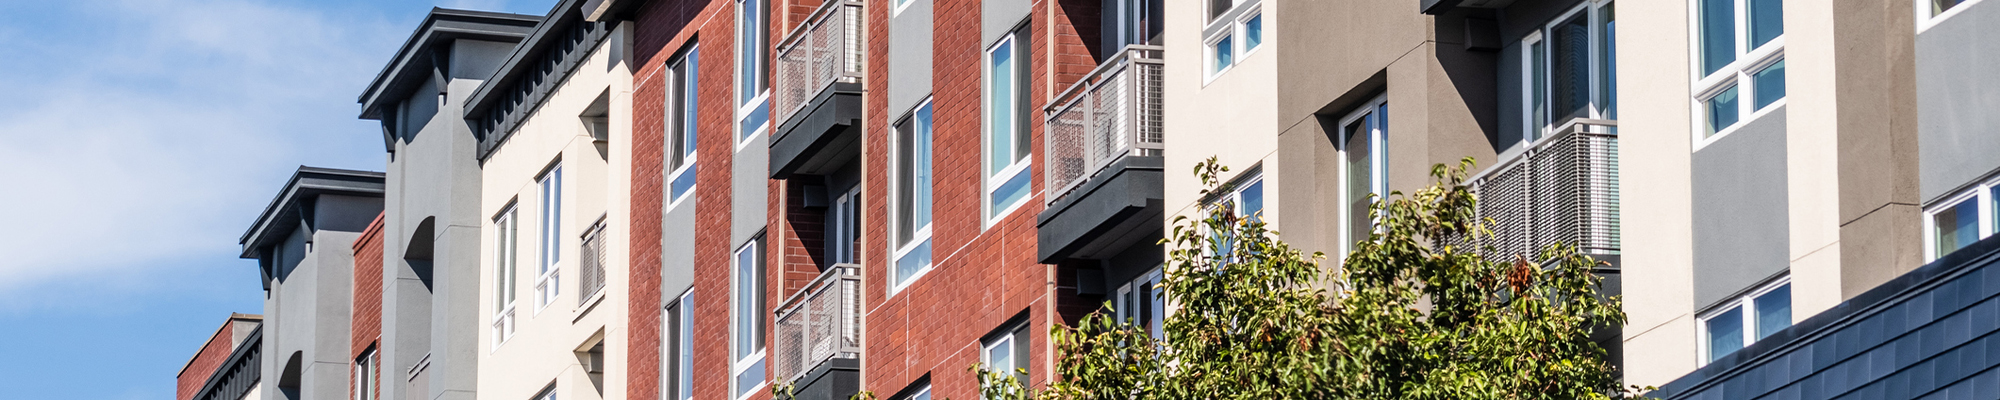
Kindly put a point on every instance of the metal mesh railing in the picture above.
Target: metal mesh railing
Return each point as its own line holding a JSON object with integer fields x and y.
{"x": 592, "y": 264}
{"x": 823, "y": 50}
{"x": 1563, "y": 189}
{"x": 821, "y": 322}
{"x": 1113, "y": 112}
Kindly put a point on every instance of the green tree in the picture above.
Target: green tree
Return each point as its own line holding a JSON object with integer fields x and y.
{"x": 1402, "y": 319}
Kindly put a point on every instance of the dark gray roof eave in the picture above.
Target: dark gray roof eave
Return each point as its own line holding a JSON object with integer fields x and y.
{"x": 481, "y": 25}
{"x": 308, "y": 182}
{"x": 511, "y": 70}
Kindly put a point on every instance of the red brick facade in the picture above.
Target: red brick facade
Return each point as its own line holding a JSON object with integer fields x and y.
{"x": 366, "y": 328}
{"x": 211, "y": 356}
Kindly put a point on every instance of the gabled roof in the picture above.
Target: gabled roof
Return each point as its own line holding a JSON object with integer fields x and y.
{"x": 413, "y": 63}
{"x": 285, "y": 212}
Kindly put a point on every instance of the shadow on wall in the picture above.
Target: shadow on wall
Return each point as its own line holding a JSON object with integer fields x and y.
{"x": 418, "y": 253}
{"x": 288, "y": 381}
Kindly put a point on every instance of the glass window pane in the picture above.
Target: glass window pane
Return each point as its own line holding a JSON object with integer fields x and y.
{"x": 687, "y": 347}
{"x": 1954, "y": 228}
{"x": 690, "y": 88}
{"x": 913, "y": 262}
{"x": 905, "y": 181}
{"x": 923, "y": 162}
{"x": 1360, "y": 171}
{"x": 1569, "y": 77}
{"x": 1217, "y": 7}
{"x": 748, "y": 380}
{"x": 1223, "y": 53}
{"x": 1725, "y": 333}
{"x": 999, "y": 107}
{"x": 1011, "y": 192}
{"x": 1767, "y": 21}
{"x": 1939, "y": 6}
{"x": 749, "y": 49}
{"x": 1253, "y": 32}
{"x": 1774, "y": 311}
{"x": 1770, "y": 84}
{"x": 1000, "y": 357}
{"x": 1607, "y": 61}
{"x": 1718, "y": 34}
{"x": 1253, "y": 201}
{"x": 1538, "y": 110}
{"x": 1722, "y": 111}
{"x": 683, "y": 182}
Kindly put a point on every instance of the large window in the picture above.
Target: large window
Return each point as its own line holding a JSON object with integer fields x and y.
{"x": 548, "y": 277}
{"x": 677, "y": 349}
{"x": 748, "y": 296}
{"x": 1739, "y": 60}
{"x": 1142, "y": 302}
{"x": 1364, "y": 137}
{"x": 367, "y": 376}
{"x": 506, "y": 261}
{"x": 1006, "y": 132}
{"x": 1568, "y": 70}
{"x": 1962, "y": 219}
{"x": 844, "y": 228}
{"x": 1007, "y": 352}
{"x": 753, "y": 85}
{"x": 912, "y": 188}
{"x": 1745, "y": 320}
{"x": 682, "y": 85}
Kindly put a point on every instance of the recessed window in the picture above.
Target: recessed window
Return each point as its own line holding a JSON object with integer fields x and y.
{"x": 548, "y": 277}
{"x": 843, "y": 233}
{"x": 548, "y": 393}
{"x": 681, "y": 96}
{"x": 920, "y": 394}
{"x": 1567, "y": 67}
{"x": 677, "y": 349}
{"x": 748, "y": 296}
{"x": 753, "y": 93}
{"x": 1745, "y": 320}
{"x": 367, "y": 376}
{"x": 1223, "y": 54}
{"x": 506, "y": 273}
{"x": 1142, "y": 303}
{"x": 1007, "y": 138}
{"x": 1740, "y": 62}
{"x": 1007, "y": 353}
{"x": 1962, "y": 219}
{"x": 1364, "y": 146}
{"x": 912, "y": 188}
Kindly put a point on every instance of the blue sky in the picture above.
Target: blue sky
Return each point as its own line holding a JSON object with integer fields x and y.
{"x": 141, "y": 138}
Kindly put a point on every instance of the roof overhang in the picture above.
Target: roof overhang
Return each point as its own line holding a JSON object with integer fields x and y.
{"x": 609, "y": 10}
{"x": 420, "y": 57}
{"x": 518, "y": 64}
{"x": 287, "y": 210}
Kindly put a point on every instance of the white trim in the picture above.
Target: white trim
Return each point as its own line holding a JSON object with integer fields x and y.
{"x": 1378, "y": 174}
{"x": 1925, "y": 21}
{"x": 1737, "y": 73}
{"x": 675, "y": 88}
{"x": 549, "y": 238}
{"x": 744, "y": 107}
{"x": 1243, "y": 30}
{"x": 740, "y": 365}
{"x": 896, "y": 8}
{"x": 1593, "y": 15}
{"x": 1745, "y": 302}
{"x": 1014, "y": 168}
{"x": 921, "y": 234}
{"x": 743, "y": 139}
{"x": 1211, "y": 67}
{"x": 1983, "y": 199}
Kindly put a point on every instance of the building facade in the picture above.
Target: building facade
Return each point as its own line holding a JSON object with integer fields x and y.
{"x": 228, "y": 366}
{"x": 304, "y": 247}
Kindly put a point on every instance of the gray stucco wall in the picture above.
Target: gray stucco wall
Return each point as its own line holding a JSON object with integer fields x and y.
{"x": 909, "y": 57}
{"x": 309, "y": 311}
{"x": 1957, "y": 96}
{"x": 997, "y": 17}
{"x": 749, "y": 184}
{"x": 677, "y": 248}
{"x": 1741, "y": 227}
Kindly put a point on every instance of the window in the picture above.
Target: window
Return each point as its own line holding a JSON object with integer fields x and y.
{"x": 749, "y": 316}
{"x": 548, "y": 393}
{"x": 1364, "y": 143}
{"x": 506, "y": 259}
{"x": 920, "y": 394}
{"x": 1230, "y": 44}
{"x": 753, "y": 91}
{"x": 1567, "y": 67}
{"x": 367, "y": 376}
{"x": 1739, "y": 56}
{"x": 682, "y": 84}
{"x": 1930, "y": 12}
{"x": 548, "y": 278}
{"x": 912, "y": 187}
{"x": 1007, "y": 353}
{"x": 1745, "y": 320}
{"x": 1244, "y": 201}
{"x": 844, "y": 229}
{"x": 1131, "y": 22}
{"x": 1142, "y": 302}
{"x": 1218, "y": 8}
{"x": 1962, "y": 219}
{"x": 1007, "y": 140}
{"x": 677, "y": 356}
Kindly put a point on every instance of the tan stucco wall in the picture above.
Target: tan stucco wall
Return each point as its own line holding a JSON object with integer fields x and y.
{"x": 1655, "y": 147}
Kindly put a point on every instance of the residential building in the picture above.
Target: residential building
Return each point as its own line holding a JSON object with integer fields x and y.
{"x": 304, "y": 247}
{"x": 227, "y": 366}
{"x": 433, "y": 254}
{"x": 551, "y": 125}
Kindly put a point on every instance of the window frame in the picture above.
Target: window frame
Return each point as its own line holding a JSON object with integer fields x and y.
{"x": 845, "y": 228}
{"x": 1983, "y": 197}
{"x": 1739, "y": 73}
{"x": 1602, "y": 88}
{"x": 676, "y": 348}
{"x": 1238, "y": 33}
{"x": 506, "y": 272}
{"x": 1926, "y": 19}
{"x": 1378, "y": 160}
{"x": 1745, "y": 302}
{"x": 1014, "y": 335}
{"x": 683, "y": 130}
{"x": 547, "y": 393}
{"x": 368, "y": 375}
{"x": 760, "y": 79}
{"x": 1021, "y": 135}
{"x": 920, "y": 236}
{"x": 1151, "y": 303}
{"x": 922, "y": 393}
{"x": 755, "y": 359}
{"x": 548, "y": 278}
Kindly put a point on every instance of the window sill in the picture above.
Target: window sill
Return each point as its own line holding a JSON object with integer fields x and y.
{"x": 588, "y": 306}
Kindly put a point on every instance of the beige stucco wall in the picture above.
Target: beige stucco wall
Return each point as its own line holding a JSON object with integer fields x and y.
{"x": 1231, "y": 117}
{"x": 1656, "y": 148}
{"x": 545, "y": 344}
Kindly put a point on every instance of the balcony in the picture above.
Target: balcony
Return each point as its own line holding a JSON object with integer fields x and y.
{"x": 592, "y": 264}
{"x": 817, "y": 95}
{"x": 1562, "y": 189}
{"x": 1103, "y": 166}
{"x": 818, "y": 349}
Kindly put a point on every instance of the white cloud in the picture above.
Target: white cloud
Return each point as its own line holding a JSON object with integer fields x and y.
{"x": 161, "y": 130}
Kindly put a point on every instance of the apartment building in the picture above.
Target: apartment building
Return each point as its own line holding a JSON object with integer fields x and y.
{"x": 304, "y": 246}
{"x": 227, "y": 367}
{"x": 553, "y": 148}
{"x": 432, "y": 257}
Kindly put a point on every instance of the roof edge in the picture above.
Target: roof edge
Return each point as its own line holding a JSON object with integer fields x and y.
{"x": 428, "y": 33}
{"x": 310, "y": 182}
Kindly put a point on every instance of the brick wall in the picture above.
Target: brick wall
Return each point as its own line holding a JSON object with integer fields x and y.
{"x": 205, "y": 361}
{"x": 366, "y": 327}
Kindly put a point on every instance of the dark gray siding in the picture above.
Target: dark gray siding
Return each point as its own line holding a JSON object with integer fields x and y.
{"x": 1741, "y": 227}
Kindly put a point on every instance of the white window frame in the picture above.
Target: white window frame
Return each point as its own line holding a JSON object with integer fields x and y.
{"x": 673, "y": 372}
{"x": 1982, "y": 197}
{"x": 506, "y": 271}
{"x": 1210, "y": 16}
{"x": 1016, "y": 169}
{"x": 548, "y": 280}
{"x": 745, "y": 107}
{"x": 1238, "y": 34}
{"x": 1011, "y": 337}
{"x": 1212, "y": 65}
{"x": 547, "y": 393}
{"x": 1594, "y": 20}
{"x": 1739, "y": 74}
{"x": 922, "y": 234}
{"x": 925, "y": 393}
{"x": 1126, "y": 312}
{"x": 1747, "y": 302}
{"x": 678, "y": 87}
{"x": 900, "y": 5}
{"x": 367, "y": 375}
{"x": 1924, "y": 18}
{"x": 755, "y": 359}
{"x": 846, "y": 227}
{"x": 1378, "y": 157}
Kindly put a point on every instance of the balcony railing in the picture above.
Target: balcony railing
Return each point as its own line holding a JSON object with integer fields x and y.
{"x": 821, "y": 322}
{"x": 592, "y": 264}
{"x": 824, "y": 50}
{"x": 1113, "y": 112}
{"x": 1563, "y": 189}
